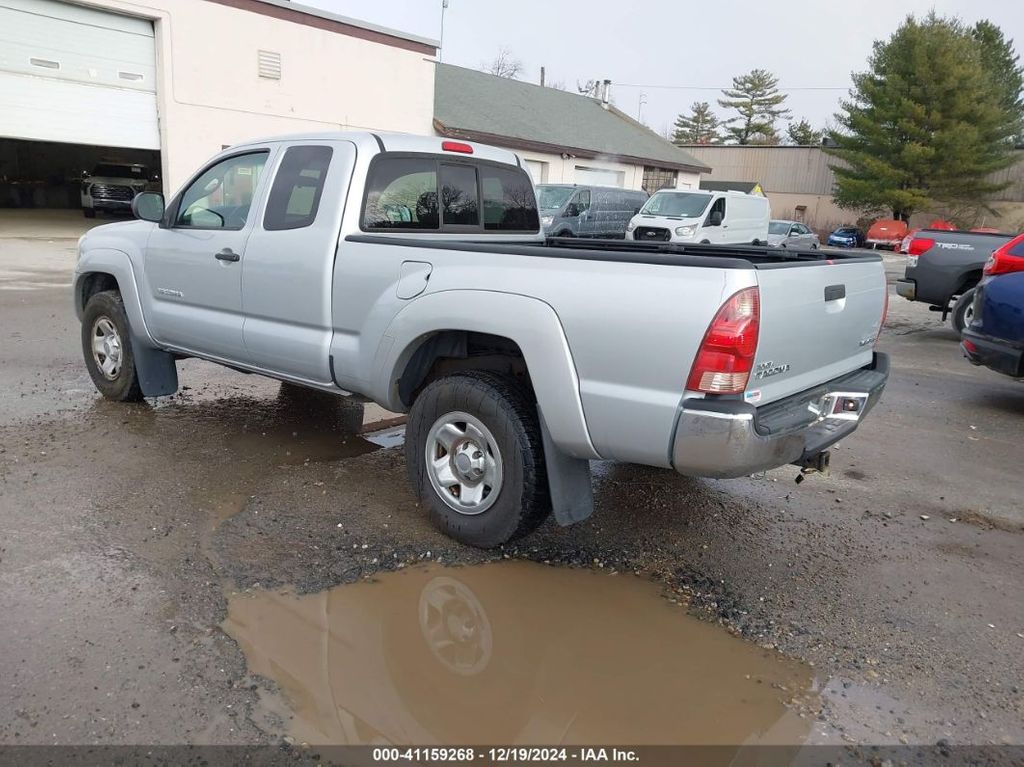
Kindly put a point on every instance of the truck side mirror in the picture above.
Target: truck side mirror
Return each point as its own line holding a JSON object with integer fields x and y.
{"x": 148, "y": 206}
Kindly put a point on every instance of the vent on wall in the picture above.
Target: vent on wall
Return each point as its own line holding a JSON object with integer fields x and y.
{"x": 269, "y": 64}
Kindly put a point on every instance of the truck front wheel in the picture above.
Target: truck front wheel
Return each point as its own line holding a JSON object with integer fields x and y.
{"x": 475, "y": 458}
{"x": 107, "y": 347}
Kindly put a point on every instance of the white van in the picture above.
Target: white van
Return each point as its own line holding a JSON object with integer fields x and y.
{"x": 718, "y": 218}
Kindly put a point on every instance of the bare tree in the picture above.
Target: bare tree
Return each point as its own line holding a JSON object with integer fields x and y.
{"x": 504, "y": 64}
{"x": 589, "y": 88}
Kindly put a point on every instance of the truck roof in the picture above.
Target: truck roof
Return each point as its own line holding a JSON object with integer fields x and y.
{"x": 375, "y": 141}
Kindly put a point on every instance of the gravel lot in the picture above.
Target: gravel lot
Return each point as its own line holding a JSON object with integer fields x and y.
{"x": 897, "y": 578}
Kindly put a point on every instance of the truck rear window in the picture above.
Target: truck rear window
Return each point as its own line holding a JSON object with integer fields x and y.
{"x": 403, "y": 194}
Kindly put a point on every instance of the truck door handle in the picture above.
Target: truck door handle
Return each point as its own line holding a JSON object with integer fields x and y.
{"x": 227, "y": 255}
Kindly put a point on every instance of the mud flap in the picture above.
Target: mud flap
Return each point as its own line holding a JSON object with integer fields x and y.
{"x": 158, "y": 375}
{"x": 572, "y": 495}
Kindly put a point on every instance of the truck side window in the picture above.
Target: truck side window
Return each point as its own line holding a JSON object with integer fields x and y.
{"x": 582, "y": 200}
{"x": 222, "y": 195}
{"x": 509, "y": 201}
{"x": 718, "y": 207}
{"x": 402, "y": 194}
{"x": 299, "y": 183}
{"x": 460, "y": 196}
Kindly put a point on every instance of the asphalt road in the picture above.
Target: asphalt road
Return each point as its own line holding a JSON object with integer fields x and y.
{"x": 127, "y": 530}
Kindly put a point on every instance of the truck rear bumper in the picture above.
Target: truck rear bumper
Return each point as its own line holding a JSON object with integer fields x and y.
{"x": 730, "y": 438}
{"x": 907, "y": 289}
{"x": 993, "y": 353}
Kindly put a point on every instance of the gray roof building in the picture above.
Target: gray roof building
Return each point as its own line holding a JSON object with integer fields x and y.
{"x": 498, "y": 110}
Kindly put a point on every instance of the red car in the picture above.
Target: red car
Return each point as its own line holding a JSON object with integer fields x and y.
{"x": 887, "y": 233}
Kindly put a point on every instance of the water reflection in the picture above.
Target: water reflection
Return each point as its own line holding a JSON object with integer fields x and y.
{"x": 512, "y": 653}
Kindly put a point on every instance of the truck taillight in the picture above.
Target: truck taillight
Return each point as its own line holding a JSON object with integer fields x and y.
{"x": 919, "y": 245}
{"x": 726, "y": 355}
{"x": 1008, "y": 258}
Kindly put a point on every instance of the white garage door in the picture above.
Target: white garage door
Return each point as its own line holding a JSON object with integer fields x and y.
{"x": 76, "y": 75}
{"x": 597, "y": 176}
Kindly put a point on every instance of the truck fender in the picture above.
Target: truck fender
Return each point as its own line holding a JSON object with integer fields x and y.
{"x": 157, "y": 372}
{"x": 529, "y": 322}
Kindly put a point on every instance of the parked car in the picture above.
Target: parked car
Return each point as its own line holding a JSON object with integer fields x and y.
{"x": 791, "y": 234}
{"x": 995, "y": 337}
{"x": 846, "y": 237}
{"x": 943, "y": 268}
{"x": 111, "y": 187}
{"x": 673, "y": 215}
{"x": 568, "y": 210}
{"x": 886, "y": 233}
{"x": 335, "y": 262}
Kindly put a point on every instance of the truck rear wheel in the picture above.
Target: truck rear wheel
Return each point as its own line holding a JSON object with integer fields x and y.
{"x": 107, "y": 348}
{"x": 963, "y": 311}
{"x": 475, "y": 458}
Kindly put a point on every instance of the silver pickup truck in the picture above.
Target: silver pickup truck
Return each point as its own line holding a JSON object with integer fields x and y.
{"x": 413, "y": 271}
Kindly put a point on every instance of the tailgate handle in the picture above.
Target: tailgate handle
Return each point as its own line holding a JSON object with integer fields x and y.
{"x": 835, "y": 292}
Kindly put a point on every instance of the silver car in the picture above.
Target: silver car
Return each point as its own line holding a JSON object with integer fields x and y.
{"x": 791, "y": 234}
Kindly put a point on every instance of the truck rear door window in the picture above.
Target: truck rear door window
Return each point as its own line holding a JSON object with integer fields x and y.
{"x": 509, "y": 202}
{"x": 460, "y": 196}
{"x": 402, "y": 194}
{"x": 298, "y": 185}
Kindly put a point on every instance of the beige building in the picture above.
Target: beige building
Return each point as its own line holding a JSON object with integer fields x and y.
{"x": 799, "y": 184}
{"x": 167, "y": 83}
{"x": 565, "y": 138}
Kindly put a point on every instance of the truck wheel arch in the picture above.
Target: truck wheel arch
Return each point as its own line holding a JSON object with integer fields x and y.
{"x": 444, "y": 331}
{"x": 108, "y": 269}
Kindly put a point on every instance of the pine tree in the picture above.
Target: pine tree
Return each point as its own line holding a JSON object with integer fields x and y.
{"x": 924, "y": 124}
{"x": 698, "y": 127}
{"x": 801, "y": 133}
{"x": 1002, "y": 63}
{"x": 756, "y": 97}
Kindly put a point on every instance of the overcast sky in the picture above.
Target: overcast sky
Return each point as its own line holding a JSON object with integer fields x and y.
{"x": 811, "y": 45}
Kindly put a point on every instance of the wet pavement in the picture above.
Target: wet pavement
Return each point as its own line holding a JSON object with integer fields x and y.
{"x": 143, "y": 543}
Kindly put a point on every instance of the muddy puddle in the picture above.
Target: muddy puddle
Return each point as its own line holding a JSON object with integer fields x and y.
{"x": 512, "y": 652}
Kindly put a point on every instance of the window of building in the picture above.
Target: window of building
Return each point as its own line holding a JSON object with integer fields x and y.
{"x": 659, "y": 178}
{"x": 299, "y": 183}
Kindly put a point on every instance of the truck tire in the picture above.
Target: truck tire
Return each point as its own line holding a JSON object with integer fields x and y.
{"x": 89, "y": 212}
{"x": 963, "y": 312}
{"x": 107, "y": 348}
{"x": 475, "y": 458}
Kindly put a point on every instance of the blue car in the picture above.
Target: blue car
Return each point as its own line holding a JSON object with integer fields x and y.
{"x": 846, "y": 237}
{"x": 995, "y": 337}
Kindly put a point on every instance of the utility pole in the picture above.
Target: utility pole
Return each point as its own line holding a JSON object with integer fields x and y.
{"x": 640, "y": 107}
{"x": 542, "y": 77}
{"x": 440, "y": 43}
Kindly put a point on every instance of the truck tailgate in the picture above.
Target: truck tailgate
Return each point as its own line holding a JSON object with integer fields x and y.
{"x": 819, "y": 320}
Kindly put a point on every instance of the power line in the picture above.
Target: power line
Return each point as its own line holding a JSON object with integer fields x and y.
{"x": 730, "y": 87}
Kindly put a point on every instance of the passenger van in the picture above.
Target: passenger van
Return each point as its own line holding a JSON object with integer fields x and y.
{"x": 569, "y": 210}
{"x": 678, "y": 215}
